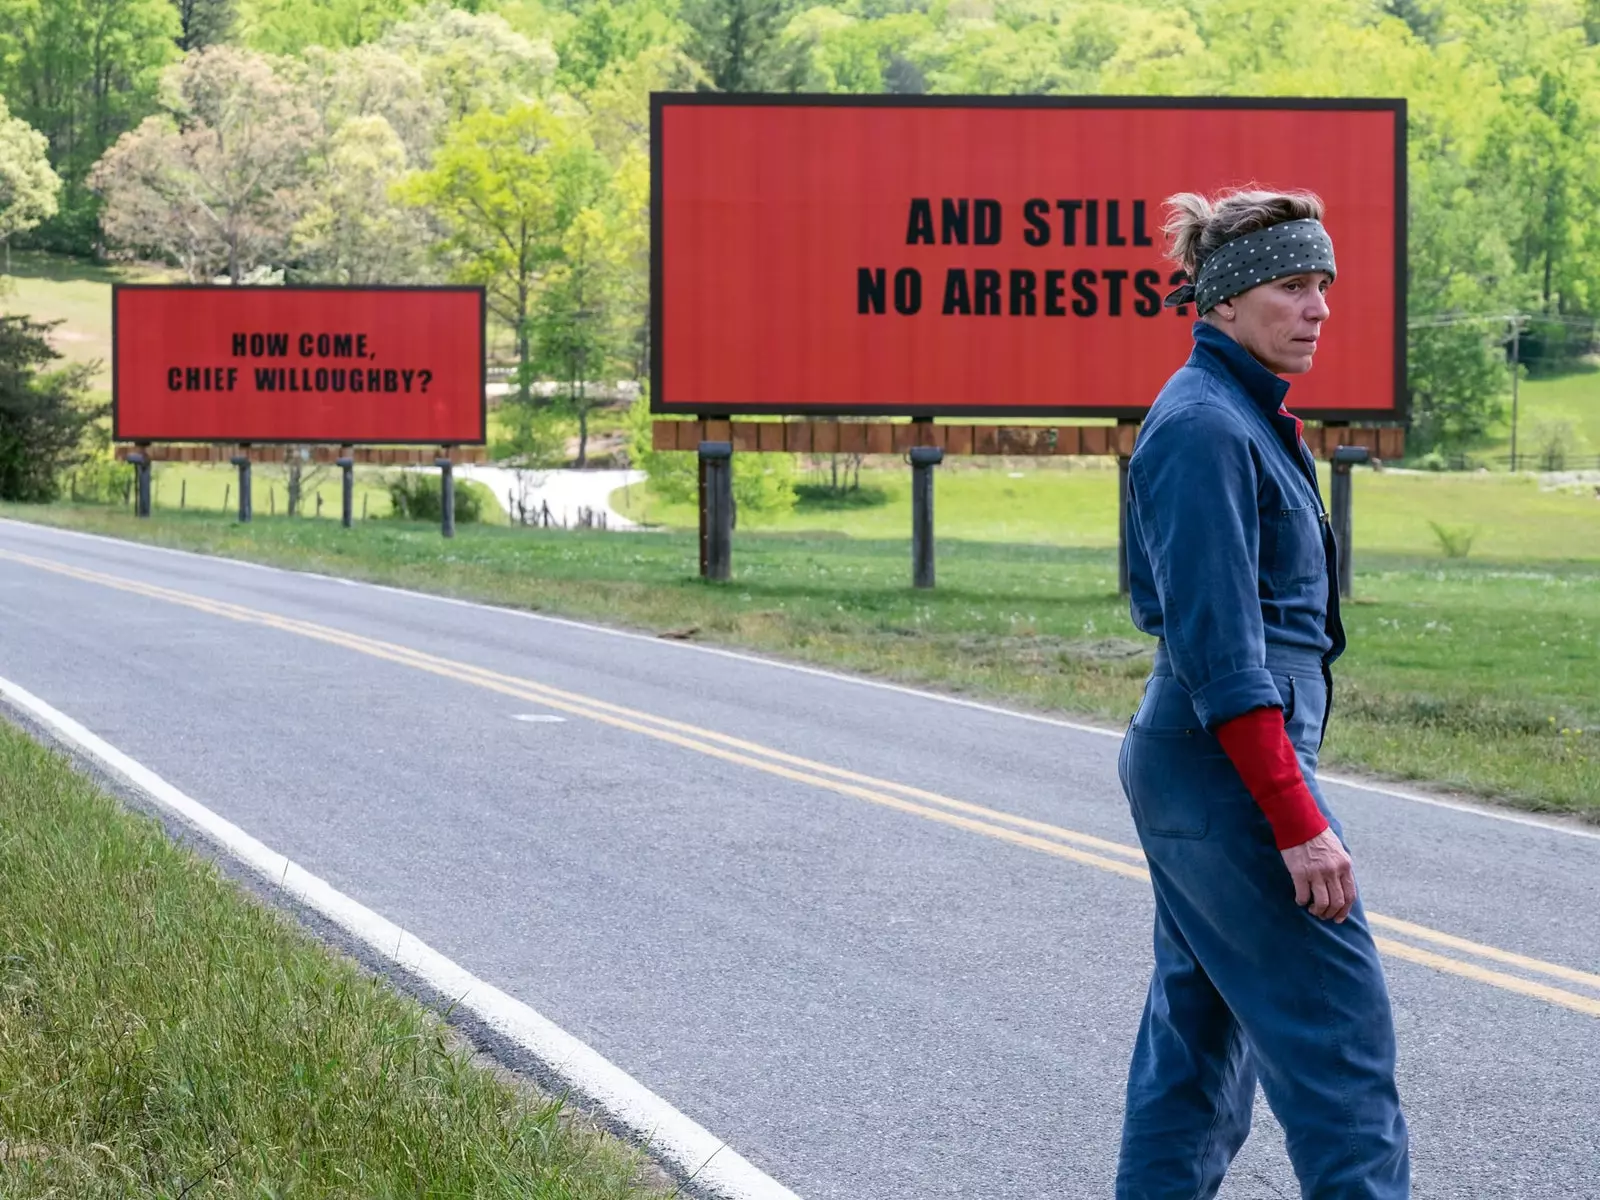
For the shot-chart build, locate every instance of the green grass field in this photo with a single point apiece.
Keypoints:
(1476, 674)
(1394, 511)
(164, 1035)
(1571, 398)
(205, 488)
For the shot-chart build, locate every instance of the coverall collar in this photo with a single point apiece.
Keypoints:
(1215, 349)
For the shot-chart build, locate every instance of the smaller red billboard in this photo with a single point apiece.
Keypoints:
(392, 365)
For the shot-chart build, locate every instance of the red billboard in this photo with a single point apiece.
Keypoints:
(991, 256)
(392, 365)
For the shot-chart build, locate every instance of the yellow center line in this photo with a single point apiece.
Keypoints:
(1030, 834)
(1511, 983)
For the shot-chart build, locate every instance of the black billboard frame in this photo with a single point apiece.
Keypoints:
(1397, 413)
(479, 289)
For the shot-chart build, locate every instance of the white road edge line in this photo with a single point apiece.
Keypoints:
(1555, 825)
(667, 1132)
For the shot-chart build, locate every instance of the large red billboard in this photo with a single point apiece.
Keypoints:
(992, 256)
(298, 364)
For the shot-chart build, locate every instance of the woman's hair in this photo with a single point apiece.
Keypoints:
(1199, 225)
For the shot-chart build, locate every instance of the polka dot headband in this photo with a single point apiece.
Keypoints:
(1278, 251)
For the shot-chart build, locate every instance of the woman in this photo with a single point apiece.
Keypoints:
(1264, 963)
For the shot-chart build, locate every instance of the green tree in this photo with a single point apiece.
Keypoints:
(82, 72)
(473, 61)
(215, 182)
(44, 415)
(743, 44)
(370, 81)
(532, 440)
(353, 229)
(1544, 153)
(607, 33)
(578, 319)
(203, 23)
(499, 190)
(28, 186)
(289, 26)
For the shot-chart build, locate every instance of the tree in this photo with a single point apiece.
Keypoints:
(28, 187)
(607, 33)
(290, 26)
(371, 81)
(496, 190)
(578, 318)
(533, 440)
(214, 183)
(473, 61)
(1544, 152)
(743, 44)
(82, 72)
(353, 230)
(43, 413)
(203, 23)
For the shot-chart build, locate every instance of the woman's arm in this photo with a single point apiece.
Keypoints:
(1192, 493)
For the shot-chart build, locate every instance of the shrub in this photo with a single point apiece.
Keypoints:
(1455, 540)
(418, 496)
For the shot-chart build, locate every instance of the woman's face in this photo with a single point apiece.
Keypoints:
(1278, 322)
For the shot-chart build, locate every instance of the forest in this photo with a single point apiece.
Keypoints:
(505, 142)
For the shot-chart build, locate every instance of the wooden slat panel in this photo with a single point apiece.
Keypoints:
(852, 437)
(769, 437)
(825, 437)
(905, 437)
(664, 435)
(1391, 444)
(958, 439)
(746, 436)
(1069, 440)
(1126, 436)
(717, 431)
(797, 437)
(880, 438)
(1095, 439)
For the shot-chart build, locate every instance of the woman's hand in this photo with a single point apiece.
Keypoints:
(1323, 876)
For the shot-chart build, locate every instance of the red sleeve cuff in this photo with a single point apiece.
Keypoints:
(1259, 747)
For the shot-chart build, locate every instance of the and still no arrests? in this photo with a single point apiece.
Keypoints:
(1021, 292)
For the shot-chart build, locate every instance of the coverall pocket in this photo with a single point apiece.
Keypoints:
(1170, 776)
(1295, 553)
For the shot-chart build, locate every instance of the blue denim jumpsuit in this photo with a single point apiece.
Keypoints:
(1230, 565)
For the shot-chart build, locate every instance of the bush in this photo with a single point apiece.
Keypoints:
(99, 481)
(44, 414)
(1455, 540)
(418, 496)
(1433, 460)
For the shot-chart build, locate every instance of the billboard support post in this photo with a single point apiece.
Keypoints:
(242, 461)
(716, 511)
(141, 474)
(447, 496)
(347, 486)
(1123, 461)
(923, 461)
(1345, 457)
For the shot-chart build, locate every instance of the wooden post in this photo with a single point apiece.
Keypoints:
(923, 461)
(716, 510)
(1343, 458)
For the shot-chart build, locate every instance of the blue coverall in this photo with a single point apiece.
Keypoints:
(1230, 565)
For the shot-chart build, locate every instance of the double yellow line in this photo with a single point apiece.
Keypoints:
(1082, 848)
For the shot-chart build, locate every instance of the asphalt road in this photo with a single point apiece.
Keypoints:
(753, 888)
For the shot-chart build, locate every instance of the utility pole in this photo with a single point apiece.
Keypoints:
(1516, 354)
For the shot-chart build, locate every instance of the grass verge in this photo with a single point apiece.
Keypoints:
(162, 1035)
(1477, 675)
